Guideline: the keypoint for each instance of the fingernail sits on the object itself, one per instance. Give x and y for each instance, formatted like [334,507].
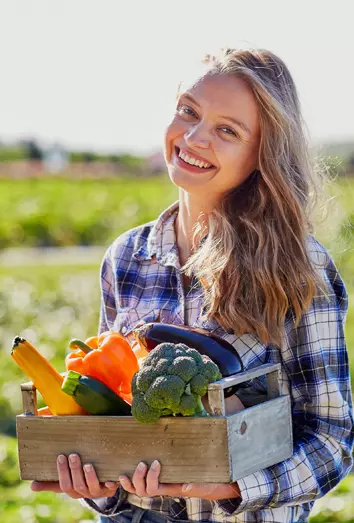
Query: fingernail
[73,458]
[122,478]
[155,464]
[61,459]
[187,487]
[88,467]
[141,466]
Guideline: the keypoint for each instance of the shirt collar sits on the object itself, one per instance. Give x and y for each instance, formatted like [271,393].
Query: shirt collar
[161,240]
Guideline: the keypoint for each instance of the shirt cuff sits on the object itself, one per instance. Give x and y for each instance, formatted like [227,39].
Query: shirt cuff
[256,490]
[107,506]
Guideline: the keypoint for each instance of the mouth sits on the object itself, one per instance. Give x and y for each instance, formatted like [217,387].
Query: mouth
[184,163]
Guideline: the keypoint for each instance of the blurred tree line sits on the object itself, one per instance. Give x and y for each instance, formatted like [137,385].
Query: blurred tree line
[31,150]
[338,157]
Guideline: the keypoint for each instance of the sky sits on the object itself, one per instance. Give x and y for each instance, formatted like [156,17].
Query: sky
[102,74]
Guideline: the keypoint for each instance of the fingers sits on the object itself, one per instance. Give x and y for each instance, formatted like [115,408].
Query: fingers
[145,482]
[78,482]
[92,480]
[64,475]
[77,476]
[139,479]
[48,486]
[127,484]
[152,479]
[211,491]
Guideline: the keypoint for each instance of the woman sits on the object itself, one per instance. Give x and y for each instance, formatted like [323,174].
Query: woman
[236,255]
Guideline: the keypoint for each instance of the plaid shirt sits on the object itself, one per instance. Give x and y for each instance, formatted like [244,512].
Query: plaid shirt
[141,280]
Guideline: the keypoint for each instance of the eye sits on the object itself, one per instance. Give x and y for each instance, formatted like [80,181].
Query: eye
[229,131]
[186,110]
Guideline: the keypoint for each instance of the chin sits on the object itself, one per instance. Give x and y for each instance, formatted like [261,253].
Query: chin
[184,180]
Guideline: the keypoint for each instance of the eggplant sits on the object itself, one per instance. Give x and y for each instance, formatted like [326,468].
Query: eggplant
[216,348]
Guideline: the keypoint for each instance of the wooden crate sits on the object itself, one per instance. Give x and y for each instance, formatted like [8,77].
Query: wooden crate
[220,448]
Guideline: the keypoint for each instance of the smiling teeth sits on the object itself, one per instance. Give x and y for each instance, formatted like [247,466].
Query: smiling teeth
[193,161]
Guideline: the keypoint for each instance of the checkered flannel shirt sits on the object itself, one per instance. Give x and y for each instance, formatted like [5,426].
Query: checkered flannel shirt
[141,280]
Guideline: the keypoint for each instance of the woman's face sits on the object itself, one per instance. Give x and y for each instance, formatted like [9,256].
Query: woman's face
[216,121]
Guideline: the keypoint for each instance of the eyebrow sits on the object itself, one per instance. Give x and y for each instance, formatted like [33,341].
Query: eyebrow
[229,118]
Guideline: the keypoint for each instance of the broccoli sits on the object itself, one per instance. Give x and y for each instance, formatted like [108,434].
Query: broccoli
[191,405]
[199,384]
[142,411]
[165,392]
[171,381]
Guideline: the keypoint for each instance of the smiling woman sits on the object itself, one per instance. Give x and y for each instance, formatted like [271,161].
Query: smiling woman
[236,255]
[201,131]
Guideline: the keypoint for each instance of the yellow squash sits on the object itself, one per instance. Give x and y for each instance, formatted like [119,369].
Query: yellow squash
[45,378]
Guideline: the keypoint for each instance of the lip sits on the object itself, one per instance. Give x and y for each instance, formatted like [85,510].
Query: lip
[188,167]
[194,155]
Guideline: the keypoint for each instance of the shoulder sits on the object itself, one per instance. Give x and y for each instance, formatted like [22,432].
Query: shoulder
[130,242]
[139,243]
[325,266]
[318,254]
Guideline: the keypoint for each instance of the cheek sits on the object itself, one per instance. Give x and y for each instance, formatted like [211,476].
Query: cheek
[172,131]
[240,158]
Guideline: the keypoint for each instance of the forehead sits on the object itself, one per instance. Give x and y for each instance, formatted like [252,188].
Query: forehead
[224,94]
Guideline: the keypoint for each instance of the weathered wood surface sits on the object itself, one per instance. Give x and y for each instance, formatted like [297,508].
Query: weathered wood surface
[273,385]
[260,436]
[216,401]
[29,399]
[189,449]
[215,449]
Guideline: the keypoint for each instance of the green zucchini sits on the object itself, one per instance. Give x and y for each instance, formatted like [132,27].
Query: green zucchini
[94,396]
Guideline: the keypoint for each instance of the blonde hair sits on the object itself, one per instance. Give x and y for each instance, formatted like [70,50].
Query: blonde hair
[257,235]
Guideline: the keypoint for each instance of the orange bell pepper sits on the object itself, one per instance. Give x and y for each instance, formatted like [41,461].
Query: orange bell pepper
[108,358]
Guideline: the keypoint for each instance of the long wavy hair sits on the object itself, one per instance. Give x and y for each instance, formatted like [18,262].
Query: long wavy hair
[254,262]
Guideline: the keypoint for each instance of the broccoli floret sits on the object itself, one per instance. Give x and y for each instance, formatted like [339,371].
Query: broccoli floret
[165,392]
[171,381]
[184,367]
[199,385]
[210,370]
[162,366]
[145,377]
[135,389]
[160,352]
[142,411]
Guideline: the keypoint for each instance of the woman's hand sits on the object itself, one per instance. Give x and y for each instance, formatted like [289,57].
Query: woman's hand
[76,481]
[145,482]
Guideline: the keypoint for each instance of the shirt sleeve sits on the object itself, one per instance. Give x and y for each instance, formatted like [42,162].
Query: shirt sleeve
[108,306]
[315,359]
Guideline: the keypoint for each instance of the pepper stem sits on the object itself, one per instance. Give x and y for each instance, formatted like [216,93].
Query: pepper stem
[140,334]
[16,341]
[78,344]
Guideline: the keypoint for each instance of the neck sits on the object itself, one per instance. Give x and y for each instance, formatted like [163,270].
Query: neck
[192,211]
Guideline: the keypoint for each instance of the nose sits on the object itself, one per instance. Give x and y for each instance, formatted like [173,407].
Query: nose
[197,136]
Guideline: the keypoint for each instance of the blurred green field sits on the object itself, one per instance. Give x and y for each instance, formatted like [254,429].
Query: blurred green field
[59,211]
[51,304]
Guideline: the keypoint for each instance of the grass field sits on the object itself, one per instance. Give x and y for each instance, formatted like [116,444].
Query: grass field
[50,304]
[59,212]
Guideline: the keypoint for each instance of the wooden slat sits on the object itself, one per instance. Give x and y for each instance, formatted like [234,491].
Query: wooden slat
[29,399]
[190,449]
[273,385]
[216,401]
[260,437]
